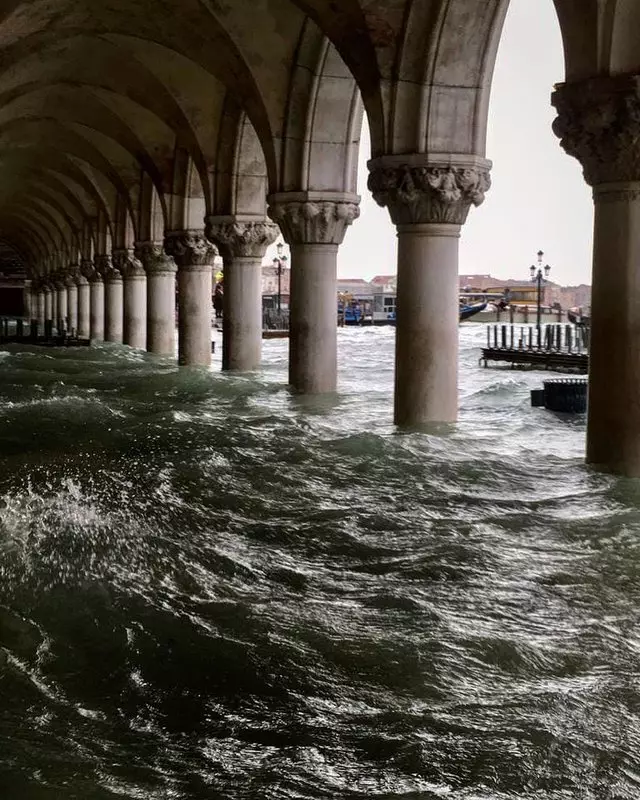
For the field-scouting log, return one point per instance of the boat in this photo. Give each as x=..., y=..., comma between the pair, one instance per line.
x=467, y=310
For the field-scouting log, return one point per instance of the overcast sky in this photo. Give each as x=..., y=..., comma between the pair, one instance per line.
x=538, y=199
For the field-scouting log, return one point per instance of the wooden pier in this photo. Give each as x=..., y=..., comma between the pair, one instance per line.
x=561, y=348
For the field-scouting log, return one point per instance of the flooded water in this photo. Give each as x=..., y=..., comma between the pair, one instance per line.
x=212, y=589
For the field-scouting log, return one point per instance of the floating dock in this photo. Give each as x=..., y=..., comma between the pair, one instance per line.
x=561, y=348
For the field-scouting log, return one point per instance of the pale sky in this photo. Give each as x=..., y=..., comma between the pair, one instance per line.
x=538, y=199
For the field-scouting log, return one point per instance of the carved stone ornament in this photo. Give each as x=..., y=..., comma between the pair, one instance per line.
x=154, y=259
x=235, y=239
x=430, y=193
x=313, y=221
x=125, y=261
x=71, y=278
x=105, y=266
x=190, y=249
x=598, y=123
x=89, y=271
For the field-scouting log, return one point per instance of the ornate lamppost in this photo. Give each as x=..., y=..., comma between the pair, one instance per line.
x=280, y=262
x=539, y=275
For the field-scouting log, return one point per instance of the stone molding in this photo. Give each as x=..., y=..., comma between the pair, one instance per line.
x=190, y=249
x=421, y=189
x=241, y=239
x=313, y=217
x=154, y=259
x=125, y=261
x=598, y=123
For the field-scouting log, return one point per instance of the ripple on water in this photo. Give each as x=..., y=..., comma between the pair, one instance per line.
x=210, y=588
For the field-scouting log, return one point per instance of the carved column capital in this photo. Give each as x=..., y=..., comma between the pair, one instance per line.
x=241, y=239
x=154, y=259
x=598, y=123
x=89, y=271
x=429, y=189
x=190, y=249
x=125, y=261
x=72, y=275
x=104, y=266
x=313, y=217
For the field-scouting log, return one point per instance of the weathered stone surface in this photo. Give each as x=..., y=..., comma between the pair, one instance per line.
x=314, y=218
x=190, y=249
x=418, y=193
x=153, y=258
x=237, y=239
x=125, y=261
x=598, y=123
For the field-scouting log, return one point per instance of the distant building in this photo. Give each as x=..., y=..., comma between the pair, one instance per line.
x=385, y=283
x=358, y=288
x=270, y=280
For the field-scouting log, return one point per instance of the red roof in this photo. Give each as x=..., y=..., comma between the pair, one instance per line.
x=382, y=279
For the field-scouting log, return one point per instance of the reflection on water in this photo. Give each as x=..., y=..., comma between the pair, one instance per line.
x=212, y=589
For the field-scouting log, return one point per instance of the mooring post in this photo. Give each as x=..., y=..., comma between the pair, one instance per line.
x=503, y=336
x=495, y=336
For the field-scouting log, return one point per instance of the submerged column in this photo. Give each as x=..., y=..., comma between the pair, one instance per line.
x=96, y=301
x=194, y=255
x=134, y=298
x=61, y=302
x=242, y=245
x=160, y=269
x=84, y=300
x=599, y=123
x=314, y=225
x=113, y=301
x=428, y=202
x=40, y=305
x=48, y=302
x=72, y=301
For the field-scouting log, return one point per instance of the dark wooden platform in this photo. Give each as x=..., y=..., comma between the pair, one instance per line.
x=541, y=359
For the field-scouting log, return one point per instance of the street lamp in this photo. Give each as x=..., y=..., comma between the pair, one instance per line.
x=279, y=261
x=539, y=275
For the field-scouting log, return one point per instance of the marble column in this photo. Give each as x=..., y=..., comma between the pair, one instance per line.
x=194, y=255
x=242, y=245
x=314, y=225
x=28, y=303
x=428, y=201
x=113, y=298
x=41, y=294
x=160, y=269
x=72, y=302
x=134, y=298
x=48, y=303
x=96, y=301
x=599, y=123
x=61, y=303
x=84, y=306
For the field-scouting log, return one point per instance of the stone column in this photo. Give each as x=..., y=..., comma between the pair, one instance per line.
x=134, y=299
x=599, y=123
x=314, y=225
x=160, y=269
x=242, y=245
x=72, y=301
x=84, y=306
x=113, y=298
x=48, y=302
x=428, y=202
x=194, y=255
x=96, y=301
x=28, y=304
x=61, y=303
x=41, y=314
